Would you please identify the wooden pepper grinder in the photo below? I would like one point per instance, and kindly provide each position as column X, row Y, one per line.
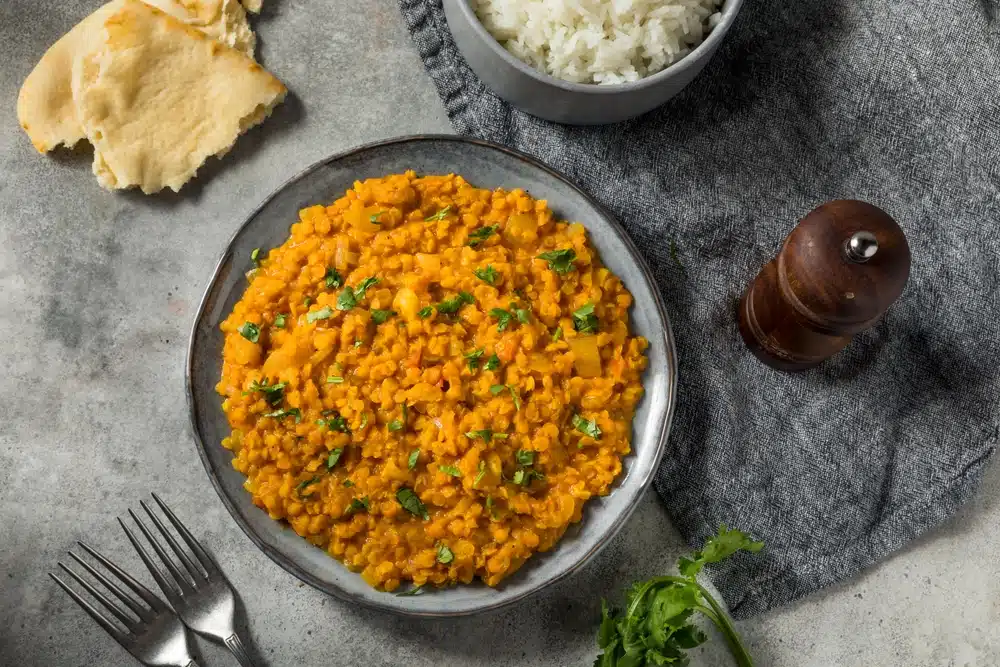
column 839, row 270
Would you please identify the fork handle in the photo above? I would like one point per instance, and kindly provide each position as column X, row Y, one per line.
column 235, row 646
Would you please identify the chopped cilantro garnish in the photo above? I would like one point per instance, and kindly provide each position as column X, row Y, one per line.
column 425, row 312
column 334, row 456
column 502, row 316
column 557, row 334
column 584, row 319
column 358, row 505
column 396, row 425
column 324, row 313
column 335, row 379
column 486, row 434
column 255, row 256
column 380, row 316
column 411, row 462
column 523, row 316
column 306, row 483
column 334, row 421
column 440, row 215
column 279, row 320
column 416, row 590
column 374, row 218
column 444, row 555
column 478, row 236
column 306, row 301
column 450, row 470
column 493, row 363
column 410, row 502
column 350, row 297
column 587, row 427
column 250, row 331
column 453, row 304
column 273, row 393
column 480, row 473
column 287, row 412
column 487, row 275
column 358, row 343
column 364, row 420
column 473, row 358
column 333, row 278
column 525, row 475
column 560, row 261
column 348, row 483
column 497, row 388
column 525, row 457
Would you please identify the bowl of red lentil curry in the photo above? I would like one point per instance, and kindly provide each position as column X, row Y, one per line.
column 431, row 376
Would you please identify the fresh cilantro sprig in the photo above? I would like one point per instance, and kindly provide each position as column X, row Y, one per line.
column 655, row 628
column 560, row 261
column 350, row 296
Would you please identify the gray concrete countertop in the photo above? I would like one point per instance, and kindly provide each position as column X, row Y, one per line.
column 98, row 291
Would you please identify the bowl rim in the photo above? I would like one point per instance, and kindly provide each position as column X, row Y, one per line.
column 288, row 564
column 729, row 11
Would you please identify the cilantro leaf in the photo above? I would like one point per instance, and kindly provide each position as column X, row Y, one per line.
column 477, row 236
column 279, row 320
column 333, row 279
column 414, row 458
column 334, row 421
column 487, row 275
column 380, row 316
column 486, row 435
column 348, row 483
column 416, row 590
column 502, row 316
column 655, row 627
column 584, row 319
column 523, row 315
column 425, row 312
column 255, row 256
column 273, row 393
column 305, row 484
column 557, row 334
column 480, row 473
column 454, row 304
column 587, row 427
column 324, row 313
column 523, row 476
column 287, row 412
column 497, row 388
column 334, row 456
column 350, row 297
column 560, row 261
column 335, row 379
column 358, row 505
column 444, row 555
column 440, row 215
column 450, row 470
column 473, row 358
column 493, row 363
column 411, row 502
column 718, row 548
column 525, row 457
column 250, row 331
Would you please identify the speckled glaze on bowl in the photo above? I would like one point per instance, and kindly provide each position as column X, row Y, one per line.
column 487, row 166
column 561, row 101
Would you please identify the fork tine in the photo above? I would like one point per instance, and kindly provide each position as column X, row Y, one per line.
column 137, row 609
column 108, row 626
column 126, row 620
column 140, row 590
column 165, row 586
column 193, row 569
column 183, row 583
column 204, row 557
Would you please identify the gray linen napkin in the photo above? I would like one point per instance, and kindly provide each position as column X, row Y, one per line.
column 892, row 102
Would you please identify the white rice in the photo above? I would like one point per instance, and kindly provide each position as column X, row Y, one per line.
column 599, row 41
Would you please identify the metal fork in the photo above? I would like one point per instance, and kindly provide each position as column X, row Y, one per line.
column 153, row 633
column 203, row 597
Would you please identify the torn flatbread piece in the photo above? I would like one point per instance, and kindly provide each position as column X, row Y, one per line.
column 157, row 97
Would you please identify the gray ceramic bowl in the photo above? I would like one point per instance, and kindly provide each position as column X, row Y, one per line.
column 487, row 166
column 574, row 103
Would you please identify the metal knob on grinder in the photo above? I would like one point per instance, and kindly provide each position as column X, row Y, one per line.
column 837, row 273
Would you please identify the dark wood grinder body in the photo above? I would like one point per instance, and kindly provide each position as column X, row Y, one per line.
column 838, row 271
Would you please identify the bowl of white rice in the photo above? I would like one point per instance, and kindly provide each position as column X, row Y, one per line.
column 588, row 62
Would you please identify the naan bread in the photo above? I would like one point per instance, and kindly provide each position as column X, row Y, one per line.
column 45, row 104
column 157, row 97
